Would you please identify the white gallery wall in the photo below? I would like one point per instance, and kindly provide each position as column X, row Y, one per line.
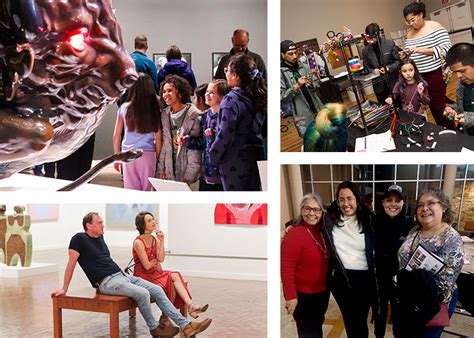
column 196, row 246
column 201, row 248
column 197, row 26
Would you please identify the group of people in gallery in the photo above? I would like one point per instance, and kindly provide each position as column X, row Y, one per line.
column 217, row 139
column 144, row 280
column 369, row 260
column 414, row 78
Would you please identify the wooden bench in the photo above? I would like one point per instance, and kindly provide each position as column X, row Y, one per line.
column 92, row 301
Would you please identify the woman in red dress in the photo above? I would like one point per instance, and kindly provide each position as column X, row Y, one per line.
column 148, row 253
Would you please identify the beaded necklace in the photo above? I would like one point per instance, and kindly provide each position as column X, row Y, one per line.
column 322, row 247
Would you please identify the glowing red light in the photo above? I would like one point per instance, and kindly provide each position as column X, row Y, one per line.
column 78, row 39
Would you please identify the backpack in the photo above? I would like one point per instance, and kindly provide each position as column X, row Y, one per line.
column 417, row 300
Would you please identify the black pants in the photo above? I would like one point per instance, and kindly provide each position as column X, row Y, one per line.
column 75, row 165
column 387, row 295
column 355, row 300
column 309, row 314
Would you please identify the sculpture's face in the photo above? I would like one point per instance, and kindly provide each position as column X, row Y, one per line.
column 80, row 66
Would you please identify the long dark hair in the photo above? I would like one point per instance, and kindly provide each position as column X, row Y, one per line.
column 362, row 213
column 144, row 112
column 402, row 83
column 251, row 80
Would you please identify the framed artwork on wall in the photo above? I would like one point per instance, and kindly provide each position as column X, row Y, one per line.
column 248, row 214
column 160, row 59
column 43, row 212
column 308, row 46
column 122, row 216
column 216, row 58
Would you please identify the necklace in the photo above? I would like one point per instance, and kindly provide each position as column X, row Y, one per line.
column 322, row 247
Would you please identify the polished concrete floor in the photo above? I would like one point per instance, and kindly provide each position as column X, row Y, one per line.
column 238, row 308
column 461, row 325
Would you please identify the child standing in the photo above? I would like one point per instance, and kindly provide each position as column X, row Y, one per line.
column 216, row 90
column 410, row 92
column 242, row 118
column 140, row 120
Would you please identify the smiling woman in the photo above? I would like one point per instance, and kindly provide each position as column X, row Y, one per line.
column 304, row 286
column 434, row 233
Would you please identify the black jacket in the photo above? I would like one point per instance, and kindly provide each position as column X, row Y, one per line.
column 330, row 220
column 391, row 61
column 389, row 236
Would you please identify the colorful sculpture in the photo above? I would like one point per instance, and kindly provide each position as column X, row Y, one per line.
column 62, row 63
column 16, row 241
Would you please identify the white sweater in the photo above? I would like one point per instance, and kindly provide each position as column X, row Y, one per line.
column 350, row 244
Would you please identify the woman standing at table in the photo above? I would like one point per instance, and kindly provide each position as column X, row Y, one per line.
column 304, row 267
column 350, row 238
column 427, row 43
column 435, row 233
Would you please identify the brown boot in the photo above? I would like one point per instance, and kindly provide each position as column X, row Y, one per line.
column 169, row 331
column 196, row 327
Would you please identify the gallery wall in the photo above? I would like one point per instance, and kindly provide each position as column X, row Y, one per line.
column 200, row 27
column 195, row 245
column 202, row 248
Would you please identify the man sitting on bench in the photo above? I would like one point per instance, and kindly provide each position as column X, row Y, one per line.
column 89, row 249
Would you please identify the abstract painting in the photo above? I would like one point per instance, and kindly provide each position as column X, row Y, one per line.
column 249, row 214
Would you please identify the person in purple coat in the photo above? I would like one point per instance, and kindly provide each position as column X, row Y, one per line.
column 242, row 114
column 176, row 66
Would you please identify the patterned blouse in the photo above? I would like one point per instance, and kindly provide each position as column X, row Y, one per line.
column 448, row 246
column 438, row 40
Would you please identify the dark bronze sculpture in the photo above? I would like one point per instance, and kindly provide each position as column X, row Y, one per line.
column 61, row 64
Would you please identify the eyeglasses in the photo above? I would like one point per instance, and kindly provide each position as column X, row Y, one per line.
column 429, row 204
column 308, row 210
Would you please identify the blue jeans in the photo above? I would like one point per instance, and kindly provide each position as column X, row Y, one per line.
column 141, row 290
column 435, row 332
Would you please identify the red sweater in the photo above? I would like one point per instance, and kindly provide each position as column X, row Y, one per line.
column 303, row 266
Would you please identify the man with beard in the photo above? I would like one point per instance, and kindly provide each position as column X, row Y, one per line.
column 460, row 59
column 240, row 40
column 297, row 88
column 381, row 56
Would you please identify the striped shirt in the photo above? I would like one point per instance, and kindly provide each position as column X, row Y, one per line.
column 439, row 41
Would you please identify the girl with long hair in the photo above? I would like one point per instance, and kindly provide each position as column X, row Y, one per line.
column 410, row 93
column 140, row 121
column 241, row 126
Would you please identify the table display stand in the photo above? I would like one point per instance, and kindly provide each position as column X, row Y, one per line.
column 355, row 86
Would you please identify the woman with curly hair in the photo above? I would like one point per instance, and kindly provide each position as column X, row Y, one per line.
column 180, row 157
column 241, row 125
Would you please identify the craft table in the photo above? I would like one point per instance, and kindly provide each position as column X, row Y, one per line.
column 449, row 141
